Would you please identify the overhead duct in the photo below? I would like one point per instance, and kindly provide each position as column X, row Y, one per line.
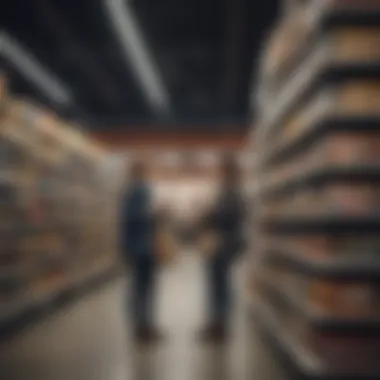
column 138, row 55
column 34, row 71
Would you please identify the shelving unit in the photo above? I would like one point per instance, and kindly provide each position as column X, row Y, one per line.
column 315, row 269
column 57, row 208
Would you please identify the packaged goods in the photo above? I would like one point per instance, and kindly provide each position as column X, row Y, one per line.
column 321, row 284
column 353, row 200
column 345, row 300
column 357, row 98
column 56, row 209
column 331, row 201
column 324, row 297
column 329, row 247
column 352, row 149
column 352, row 45
column 338, row 150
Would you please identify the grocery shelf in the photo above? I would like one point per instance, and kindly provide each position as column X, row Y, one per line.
column 307, row 81
column 320, row 319
column 354, row 16
column 29, row 304
column 328, row 225
column 58, row 210
column 295, row 352
column 318, row 175
column 355, row 267
column 315, row 177
column 328, row 19
column 314, row 132
column 292, row 348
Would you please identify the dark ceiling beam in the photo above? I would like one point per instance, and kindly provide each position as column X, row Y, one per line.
column 104, row 87
column 236, row 28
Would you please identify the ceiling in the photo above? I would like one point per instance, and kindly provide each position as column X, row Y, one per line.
column 203, row 51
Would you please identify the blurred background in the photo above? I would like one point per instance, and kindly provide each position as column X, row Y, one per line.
column 290, row 89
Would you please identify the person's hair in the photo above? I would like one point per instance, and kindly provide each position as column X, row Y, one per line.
column 230, row 169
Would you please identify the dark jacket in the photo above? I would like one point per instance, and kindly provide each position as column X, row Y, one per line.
column 227, row 221
column 137, row 223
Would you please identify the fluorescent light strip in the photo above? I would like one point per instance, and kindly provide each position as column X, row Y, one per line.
column 137, row 53
column 31, row 68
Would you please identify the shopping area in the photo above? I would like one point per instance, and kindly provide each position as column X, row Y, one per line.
column 307, row 293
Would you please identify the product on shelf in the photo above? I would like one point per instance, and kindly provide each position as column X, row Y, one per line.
column 57, row 208
column 346, row 300
column 315, row 290
column 352, row 45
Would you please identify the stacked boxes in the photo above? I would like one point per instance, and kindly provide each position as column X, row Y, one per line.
column 315, row 279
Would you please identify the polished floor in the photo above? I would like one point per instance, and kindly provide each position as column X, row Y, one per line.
column 89, row 339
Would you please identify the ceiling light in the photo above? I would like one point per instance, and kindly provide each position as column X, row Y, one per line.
column 33, row 70
column 138, row 55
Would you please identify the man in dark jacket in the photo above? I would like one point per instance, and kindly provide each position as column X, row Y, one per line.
column 138, row 250
column 226, row 223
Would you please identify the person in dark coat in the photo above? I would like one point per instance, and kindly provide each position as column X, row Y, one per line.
column 137, row 230
column 226, row 223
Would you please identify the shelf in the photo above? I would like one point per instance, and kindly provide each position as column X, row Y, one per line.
column 294, row 351
column 323, row 176
column 360, row 267
column 306, row 361
column 48, row 171
column 320, row 319
column 327, row 225
column 317, row 130
column 313, row 102
column 316, row 73
column 355, row 16
column 328, row 19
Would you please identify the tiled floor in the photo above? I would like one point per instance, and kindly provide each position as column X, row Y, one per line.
column 89, row 340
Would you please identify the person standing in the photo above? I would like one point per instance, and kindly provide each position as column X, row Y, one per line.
column 138, row 225
column 224, row 224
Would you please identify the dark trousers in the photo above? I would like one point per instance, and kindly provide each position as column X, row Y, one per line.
column 142, row 292
column 219, row 286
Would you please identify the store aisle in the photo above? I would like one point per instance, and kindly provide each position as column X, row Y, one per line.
column 89, row 340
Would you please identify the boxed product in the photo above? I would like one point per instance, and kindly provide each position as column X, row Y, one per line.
column 346, row 149
column 352, row 200
column 329, row 298
column 340, row 200
column 353, row 98
column 344, row 299
column 363, row 247
column 356, row 98
column 352, row 45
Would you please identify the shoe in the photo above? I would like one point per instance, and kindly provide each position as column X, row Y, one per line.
column 141, row 335
column 155, row 335
column 214, row 333
column 147, row 335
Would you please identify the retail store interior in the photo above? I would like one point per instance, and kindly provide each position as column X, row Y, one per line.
column 190, row 190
